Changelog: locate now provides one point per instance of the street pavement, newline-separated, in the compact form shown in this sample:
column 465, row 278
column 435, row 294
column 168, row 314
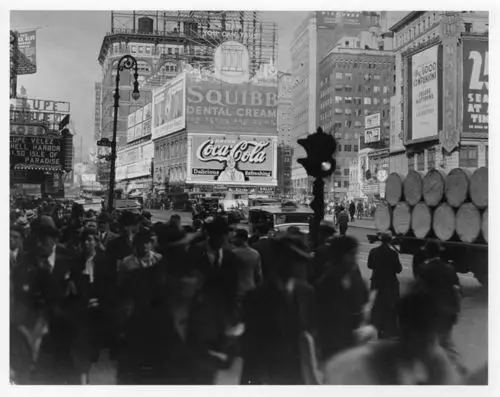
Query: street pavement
column 470, row 334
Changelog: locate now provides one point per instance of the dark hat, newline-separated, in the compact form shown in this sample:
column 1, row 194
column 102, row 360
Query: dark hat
column 218, row 226
column 327, row 227
column 104, row 217
column 147, row 215
column 45, row 225
column 170, row 234
column 128, row 219
column 143, row 236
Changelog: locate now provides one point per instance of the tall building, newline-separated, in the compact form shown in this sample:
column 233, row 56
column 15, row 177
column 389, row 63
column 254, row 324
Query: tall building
column 285, row 156
column 443, row 105
column 354, row 83
column 284, row 121
column 313, row 39
column 97, row 110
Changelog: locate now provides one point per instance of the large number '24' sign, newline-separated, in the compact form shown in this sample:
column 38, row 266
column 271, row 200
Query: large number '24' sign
column 477, row 63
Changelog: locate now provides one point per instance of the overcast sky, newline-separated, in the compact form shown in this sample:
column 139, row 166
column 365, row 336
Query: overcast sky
column 68, row 43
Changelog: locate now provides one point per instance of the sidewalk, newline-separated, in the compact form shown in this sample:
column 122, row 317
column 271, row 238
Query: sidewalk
column 366, row 223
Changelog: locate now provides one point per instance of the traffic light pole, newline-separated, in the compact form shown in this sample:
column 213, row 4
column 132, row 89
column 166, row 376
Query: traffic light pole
column 319, row 208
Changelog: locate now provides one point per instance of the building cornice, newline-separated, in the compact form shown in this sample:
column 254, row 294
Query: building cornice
column 406, row 20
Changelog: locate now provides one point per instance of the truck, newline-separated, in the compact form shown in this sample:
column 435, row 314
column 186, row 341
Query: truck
column 450, row 208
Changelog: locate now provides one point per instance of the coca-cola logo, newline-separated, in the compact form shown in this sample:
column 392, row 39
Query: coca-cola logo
column 243, row 151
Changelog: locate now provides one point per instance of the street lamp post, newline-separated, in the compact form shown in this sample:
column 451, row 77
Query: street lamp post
column 125, row 62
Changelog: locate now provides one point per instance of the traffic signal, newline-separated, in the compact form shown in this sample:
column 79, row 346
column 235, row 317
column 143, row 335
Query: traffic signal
column 320, row 148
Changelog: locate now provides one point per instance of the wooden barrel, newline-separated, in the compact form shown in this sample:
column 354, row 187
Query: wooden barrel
column 413, row 187
column 394, row 188
column 383, row 217
column 478, row 188
column 433, row 187
column 484, row 224
column 421, row 220
column 468, row 223
column 401, row 218
column 457, row 186
column 443, row 222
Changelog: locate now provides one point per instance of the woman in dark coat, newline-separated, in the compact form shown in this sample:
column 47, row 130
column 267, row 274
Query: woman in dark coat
column 341, row 295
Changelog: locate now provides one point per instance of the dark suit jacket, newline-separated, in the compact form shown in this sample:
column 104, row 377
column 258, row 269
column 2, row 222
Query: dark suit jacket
column 267, row 255
column 384, row 261
column 274, row 323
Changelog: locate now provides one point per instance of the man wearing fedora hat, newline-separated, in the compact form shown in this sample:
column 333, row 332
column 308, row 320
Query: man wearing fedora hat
column 385, row 265
column 45, row 281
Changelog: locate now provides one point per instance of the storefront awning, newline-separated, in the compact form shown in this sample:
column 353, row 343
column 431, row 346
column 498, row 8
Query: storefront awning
column 41, row 167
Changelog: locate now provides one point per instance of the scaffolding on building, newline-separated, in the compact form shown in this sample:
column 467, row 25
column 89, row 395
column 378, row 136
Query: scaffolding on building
column 199, row 32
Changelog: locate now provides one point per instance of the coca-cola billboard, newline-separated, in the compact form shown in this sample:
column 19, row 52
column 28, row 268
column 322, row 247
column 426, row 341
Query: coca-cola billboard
column 232, row 159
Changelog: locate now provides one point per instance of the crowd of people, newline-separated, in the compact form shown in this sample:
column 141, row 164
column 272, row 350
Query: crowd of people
column 163, row 303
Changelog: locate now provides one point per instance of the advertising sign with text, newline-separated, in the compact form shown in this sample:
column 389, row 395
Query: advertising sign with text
column 372, row 121
column 26, row 43
column 169, row 113
column 475, row 86
column 424, row 94
column 215, row 106
column 372, row 135
column 332, row 19
column 232, row 159
column 36, row 152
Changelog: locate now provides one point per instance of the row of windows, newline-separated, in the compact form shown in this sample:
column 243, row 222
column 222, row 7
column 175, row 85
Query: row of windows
column 348, row 148
column 351, row 64
column 367, row 89
column 418, row 28
column 468, row 158
column 171, row 150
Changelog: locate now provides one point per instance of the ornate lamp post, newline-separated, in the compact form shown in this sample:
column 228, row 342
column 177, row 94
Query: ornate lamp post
column 125, row 62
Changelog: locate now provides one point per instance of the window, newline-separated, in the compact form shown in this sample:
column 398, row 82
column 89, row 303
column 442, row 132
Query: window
column 376, row 101
column 368, row 101
column 376, row 89
column 385, row 89
column 385, row 101
column 339, row 87
column 468, row 156
column 338, row 76
column 348, row 99
column 348, row 111
column 357, row 112
column 339, row 148
column 376, row 77
column 346, row 184
column 338, row 111
column 348, row 88
column 348, row 123
column 347, row 148
column 358, row 124
column 360, row 88
column 357, row 100
column 431, row 158
column 348, row 76
column 346, row 171
column 367, row 77
column 337, row 126
column 368, row 89
column 411, row 162
column 365, row 112
column 420, row 161
column 355, row 148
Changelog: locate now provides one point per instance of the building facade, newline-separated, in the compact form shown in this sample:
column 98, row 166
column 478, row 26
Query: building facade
column 97, row 110
column 313, row 39
column 355, row 83
column 443, row 107
column 284, row 121
column 285, row 157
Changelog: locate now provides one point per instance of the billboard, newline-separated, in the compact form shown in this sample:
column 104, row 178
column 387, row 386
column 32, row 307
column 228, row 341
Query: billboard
column 372, row 135
column 215, row 106
column 396, row 142
column 332, row 19
column 134, row 162
column 26, row 44
column 424, row 103
column 372, row 121
column 131, row 120
column 232, row 159
column 169, row 113
column 35, row 152
column 475, row 85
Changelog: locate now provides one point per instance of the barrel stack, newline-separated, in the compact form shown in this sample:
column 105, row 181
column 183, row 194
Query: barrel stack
column 449, row 207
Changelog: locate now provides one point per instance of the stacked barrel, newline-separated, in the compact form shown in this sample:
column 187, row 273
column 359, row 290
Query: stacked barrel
column 450, row 207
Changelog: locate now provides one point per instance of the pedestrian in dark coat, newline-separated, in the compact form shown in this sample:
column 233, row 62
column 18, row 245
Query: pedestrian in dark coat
column 276, row 315
column 45, row 281
column 343, row 221
column 342, row 295
column 352, row 210
column 385, row 265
